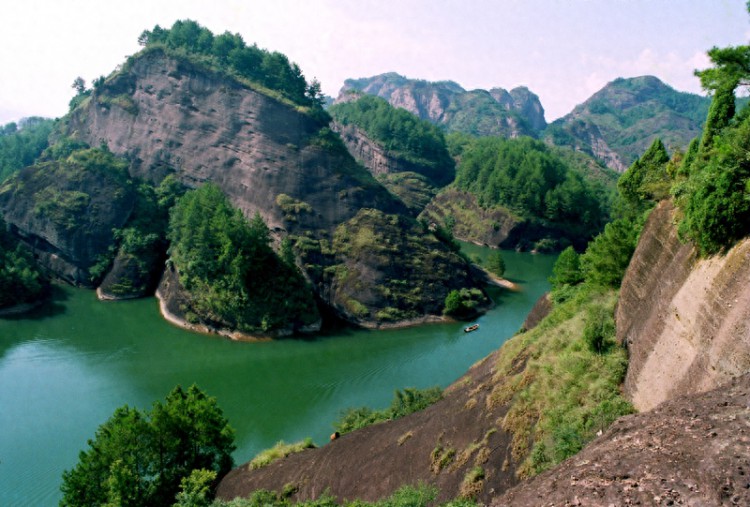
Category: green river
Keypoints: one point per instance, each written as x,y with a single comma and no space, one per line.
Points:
66,367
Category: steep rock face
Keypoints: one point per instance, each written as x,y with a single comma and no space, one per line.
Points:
477,112
684,320
618,123
66,214
165,114
689,451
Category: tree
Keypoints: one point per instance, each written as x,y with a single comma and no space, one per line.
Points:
608,255
567,269
496,263
79,85
140,458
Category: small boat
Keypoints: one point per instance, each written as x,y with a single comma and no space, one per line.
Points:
471,328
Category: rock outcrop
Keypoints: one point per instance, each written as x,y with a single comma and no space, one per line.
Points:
692,450
436,446
683,319
478,112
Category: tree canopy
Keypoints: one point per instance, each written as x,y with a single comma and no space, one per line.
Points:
230,52
139,458
20,278
22,143
227,265
526,177
399,131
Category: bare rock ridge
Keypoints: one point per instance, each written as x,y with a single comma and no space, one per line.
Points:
683,319
495,112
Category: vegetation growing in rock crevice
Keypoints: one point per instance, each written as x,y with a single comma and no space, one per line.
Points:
404,403
229,269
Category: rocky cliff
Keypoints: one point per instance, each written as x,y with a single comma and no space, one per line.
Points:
479,112
684,319
167,114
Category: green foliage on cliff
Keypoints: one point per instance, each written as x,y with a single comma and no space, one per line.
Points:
715,196
463,303
20,279
400,132
646,181
22,143
139,458
526,177
404,402
228,52
227,265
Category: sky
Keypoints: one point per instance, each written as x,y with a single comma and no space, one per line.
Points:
562,50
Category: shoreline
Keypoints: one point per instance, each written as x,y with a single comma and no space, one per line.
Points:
11,311
178,321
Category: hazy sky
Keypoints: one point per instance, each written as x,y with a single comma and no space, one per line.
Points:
563,50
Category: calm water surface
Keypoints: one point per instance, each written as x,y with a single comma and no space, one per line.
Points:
65,368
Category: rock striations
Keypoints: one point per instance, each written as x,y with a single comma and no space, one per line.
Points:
683,319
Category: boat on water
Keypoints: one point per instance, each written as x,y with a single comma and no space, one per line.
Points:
471,328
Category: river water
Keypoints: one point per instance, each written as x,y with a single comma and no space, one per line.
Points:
66,367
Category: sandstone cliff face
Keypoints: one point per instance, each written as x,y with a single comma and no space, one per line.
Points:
202,126
684,320
477,112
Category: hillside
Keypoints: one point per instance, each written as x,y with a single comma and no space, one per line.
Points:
171,112
618,123
476,112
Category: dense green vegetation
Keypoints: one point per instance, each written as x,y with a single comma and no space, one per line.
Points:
139,458
227,265
404,402
20,279
400,132
22,143
407,496
229,53
713,182
463,303
526,177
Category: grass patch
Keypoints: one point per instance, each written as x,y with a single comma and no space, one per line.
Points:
569,388
441,457
473,483
279,451
404,403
